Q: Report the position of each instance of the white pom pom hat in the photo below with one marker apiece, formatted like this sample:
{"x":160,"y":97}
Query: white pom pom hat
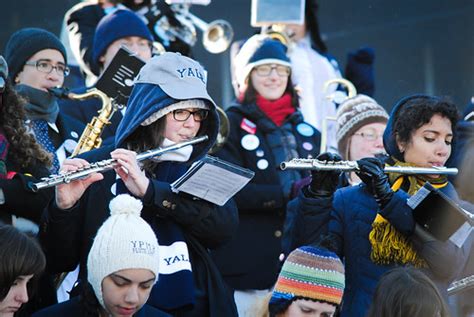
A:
{"x":124,"y":241}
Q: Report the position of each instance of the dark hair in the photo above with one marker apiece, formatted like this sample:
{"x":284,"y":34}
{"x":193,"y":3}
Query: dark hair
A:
{"x":19,"y":255}
{"x":23,"y":148}
{"x":89,"y":301}
{"x":151,"y":136}
{"x":406,"y":291}
{"x":250,"y":94}
{"x":418,"y":111}
{"x":312,"y":25}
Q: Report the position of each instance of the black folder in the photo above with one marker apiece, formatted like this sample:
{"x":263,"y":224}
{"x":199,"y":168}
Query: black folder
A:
{"x":118,"y":78}
{"x":436,"y":213}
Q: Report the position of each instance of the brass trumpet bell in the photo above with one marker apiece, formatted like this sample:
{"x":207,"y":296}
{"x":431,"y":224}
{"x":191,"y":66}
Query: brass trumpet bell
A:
{"x":224,"y":131}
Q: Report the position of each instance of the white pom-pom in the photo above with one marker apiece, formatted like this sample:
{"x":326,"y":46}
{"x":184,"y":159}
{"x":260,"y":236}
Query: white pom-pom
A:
{"x":125,"y":204}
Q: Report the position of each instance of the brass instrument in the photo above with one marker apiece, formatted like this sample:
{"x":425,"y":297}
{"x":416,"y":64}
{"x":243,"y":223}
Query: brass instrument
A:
{"x":461,"y":285}
{"x":224,"y":130}
{"x":336,"y":97}
{"x":278,"y":32}
{"x":105,"y":165}
{"x":217,"y":35}
{"x":349,"y":166}
{"x":90,"y":138}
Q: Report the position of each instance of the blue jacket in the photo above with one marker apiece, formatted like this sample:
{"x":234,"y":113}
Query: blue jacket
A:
{"x":250,"y":260}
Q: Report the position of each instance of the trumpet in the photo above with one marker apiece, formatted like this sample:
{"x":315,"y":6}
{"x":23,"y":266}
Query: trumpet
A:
{"x":106,"y":165}
{"x":350,"y":166}
{"x":217,"y":35}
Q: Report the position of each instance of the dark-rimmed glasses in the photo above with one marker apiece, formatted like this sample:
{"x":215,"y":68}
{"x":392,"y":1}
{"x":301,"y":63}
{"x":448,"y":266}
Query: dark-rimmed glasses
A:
{"x":266,"y":70}
{"x":47,"y":67}
{"x":183,"y":114}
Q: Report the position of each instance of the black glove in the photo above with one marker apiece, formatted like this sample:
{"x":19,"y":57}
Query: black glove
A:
{"x":324,"y":183}
{"x":372,"y":174}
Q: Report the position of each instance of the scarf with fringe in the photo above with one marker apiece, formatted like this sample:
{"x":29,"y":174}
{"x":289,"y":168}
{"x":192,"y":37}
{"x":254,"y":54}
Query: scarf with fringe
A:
{"x":388,"y":244}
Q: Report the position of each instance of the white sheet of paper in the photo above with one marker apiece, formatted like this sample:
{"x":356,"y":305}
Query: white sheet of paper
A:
{"x":460,"y":236}
{"x":213,"y":184}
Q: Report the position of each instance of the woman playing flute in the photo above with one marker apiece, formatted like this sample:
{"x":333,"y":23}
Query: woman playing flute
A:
{"x":371,"y":225}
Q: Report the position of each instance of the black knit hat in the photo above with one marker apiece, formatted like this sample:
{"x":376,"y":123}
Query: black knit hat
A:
{"x":27,"y":42}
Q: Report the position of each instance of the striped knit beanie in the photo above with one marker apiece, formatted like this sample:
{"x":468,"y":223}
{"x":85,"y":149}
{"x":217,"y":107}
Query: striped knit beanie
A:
{"x":353,"y":114}
{"x":308,"y":273}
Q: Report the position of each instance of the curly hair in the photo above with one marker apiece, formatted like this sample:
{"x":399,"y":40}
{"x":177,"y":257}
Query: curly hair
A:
{"x":418,"y":111}
{"x":23,"y":148}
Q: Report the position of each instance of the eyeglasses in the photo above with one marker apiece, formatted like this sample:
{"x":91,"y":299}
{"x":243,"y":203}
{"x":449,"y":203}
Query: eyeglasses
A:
{"x":370,"y":135}
{"x":47,"y":67}
{"x":183,"y":115}
{"x":266,"y":70}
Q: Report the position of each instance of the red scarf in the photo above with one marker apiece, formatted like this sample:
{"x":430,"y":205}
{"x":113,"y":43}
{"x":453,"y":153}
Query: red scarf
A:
{"x":277,"y":110}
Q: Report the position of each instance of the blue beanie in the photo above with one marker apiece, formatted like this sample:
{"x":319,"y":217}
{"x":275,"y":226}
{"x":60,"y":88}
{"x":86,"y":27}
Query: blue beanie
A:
{"x":259,"y":50}
{"x":116,"y":25}
{"x":27,"y":42}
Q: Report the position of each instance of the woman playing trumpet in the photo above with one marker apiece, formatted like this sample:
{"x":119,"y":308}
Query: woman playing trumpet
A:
{"x":372,"y":225}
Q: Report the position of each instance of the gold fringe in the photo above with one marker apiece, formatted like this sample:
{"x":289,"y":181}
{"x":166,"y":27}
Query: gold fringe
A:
{"x":390,"y":246}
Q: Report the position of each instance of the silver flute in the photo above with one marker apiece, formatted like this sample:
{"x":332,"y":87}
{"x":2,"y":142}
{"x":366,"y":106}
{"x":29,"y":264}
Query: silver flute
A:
{"x":105,"y":165}
{"x":461,"y":285}
{"x":349,"y":166}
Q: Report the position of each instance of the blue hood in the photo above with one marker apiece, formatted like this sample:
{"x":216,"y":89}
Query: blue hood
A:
{"x":389,"y":140}
{"x":147,"y":99}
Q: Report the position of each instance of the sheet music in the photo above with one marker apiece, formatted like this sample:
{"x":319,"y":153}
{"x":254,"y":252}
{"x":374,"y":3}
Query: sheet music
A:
{"x":213,"y":180}
{"x":460,"y":236}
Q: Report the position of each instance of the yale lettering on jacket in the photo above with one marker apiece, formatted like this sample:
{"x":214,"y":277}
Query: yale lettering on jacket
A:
{"x":190,"y":72}
{"x":174,"y":258}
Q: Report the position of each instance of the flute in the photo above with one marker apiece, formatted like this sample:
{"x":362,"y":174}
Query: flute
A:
{"x":349,"y":166}
{"x":105,"y":165}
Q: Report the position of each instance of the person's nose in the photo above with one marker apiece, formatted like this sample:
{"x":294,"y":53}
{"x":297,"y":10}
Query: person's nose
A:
{"x":54,"y":76}
{"x":378,"y":143}
{"x":190,"y":122}
{"x":132,"y":297}
{"x":273,"y":74}
{"x":22,"y":294}
{"x":443,"y":149}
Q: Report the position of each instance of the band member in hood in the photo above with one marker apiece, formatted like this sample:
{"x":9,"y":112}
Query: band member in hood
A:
{"x":169,"y":103}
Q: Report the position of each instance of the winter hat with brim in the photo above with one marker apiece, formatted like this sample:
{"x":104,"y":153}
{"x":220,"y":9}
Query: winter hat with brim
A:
{"x":308,"y":273}
{"x":353,"y":114}
{"x":114,"y":26}
{"x":25,"y":43}
{"x":258,"y":50}
{"x":124,"y":241}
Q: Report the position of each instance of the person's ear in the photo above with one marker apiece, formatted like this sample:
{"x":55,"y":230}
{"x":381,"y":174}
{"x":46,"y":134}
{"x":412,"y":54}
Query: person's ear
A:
{"x":400,"y":145}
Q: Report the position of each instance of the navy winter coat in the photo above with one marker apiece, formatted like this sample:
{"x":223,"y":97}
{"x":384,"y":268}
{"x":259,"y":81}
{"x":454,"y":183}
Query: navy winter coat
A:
{"x":250,"y":260}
